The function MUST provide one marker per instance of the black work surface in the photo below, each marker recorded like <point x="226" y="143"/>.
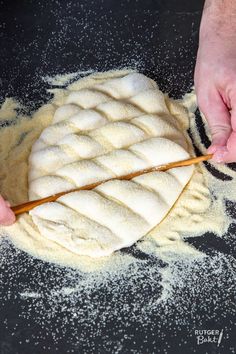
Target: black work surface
<point x="159" y="38"/>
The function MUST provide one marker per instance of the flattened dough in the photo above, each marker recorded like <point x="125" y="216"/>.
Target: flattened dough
<point x="115" y="127"/>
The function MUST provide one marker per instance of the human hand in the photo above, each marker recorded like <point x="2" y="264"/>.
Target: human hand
<point x="215" y="76"/>
<point x="7" y="217"/>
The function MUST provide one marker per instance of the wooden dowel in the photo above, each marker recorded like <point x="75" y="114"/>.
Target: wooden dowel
<point x="19" y="209"/>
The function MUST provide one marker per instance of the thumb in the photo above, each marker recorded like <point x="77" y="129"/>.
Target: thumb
<point x="218" y="118"/>
<point x="219" y="122"/>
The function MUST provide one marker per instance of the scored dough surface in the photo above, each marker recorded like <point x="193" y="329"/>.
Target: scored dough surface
<point x="114" y="127"/>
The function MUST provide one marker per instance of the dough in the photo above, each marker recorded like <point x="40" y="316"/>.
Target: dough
<point x="107" y="129"/>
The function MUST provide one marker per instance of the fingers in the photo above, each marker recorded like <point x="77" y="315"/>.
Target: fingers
<point x="7" y="217"/>
<point x="219" y="120"/>
<point x="227" y="153"/>
<point x="218" y="117"/>
<point x="230" y="155"/>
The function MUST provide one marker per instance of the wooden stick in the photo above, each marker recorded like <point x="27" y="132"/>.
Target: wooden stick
<point x="19" y="209"/>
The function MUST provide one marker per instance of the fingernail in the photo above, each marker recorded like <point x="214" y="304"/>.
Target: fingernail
<point x="8" y="203"/>
<point x="220" y="154"/>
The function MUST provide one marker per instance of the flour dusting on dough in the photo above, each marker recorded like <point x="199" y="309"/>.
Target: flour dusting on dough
<point x="65" y="79"/>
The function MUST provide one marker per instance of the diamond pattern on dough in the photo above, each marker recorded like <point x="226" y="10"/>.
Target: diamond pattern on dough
<point x="113" y="127"/>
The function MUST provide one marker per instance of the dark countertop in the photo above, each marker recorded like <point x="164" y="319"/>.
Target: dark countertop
<point x="159" y="38"/>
